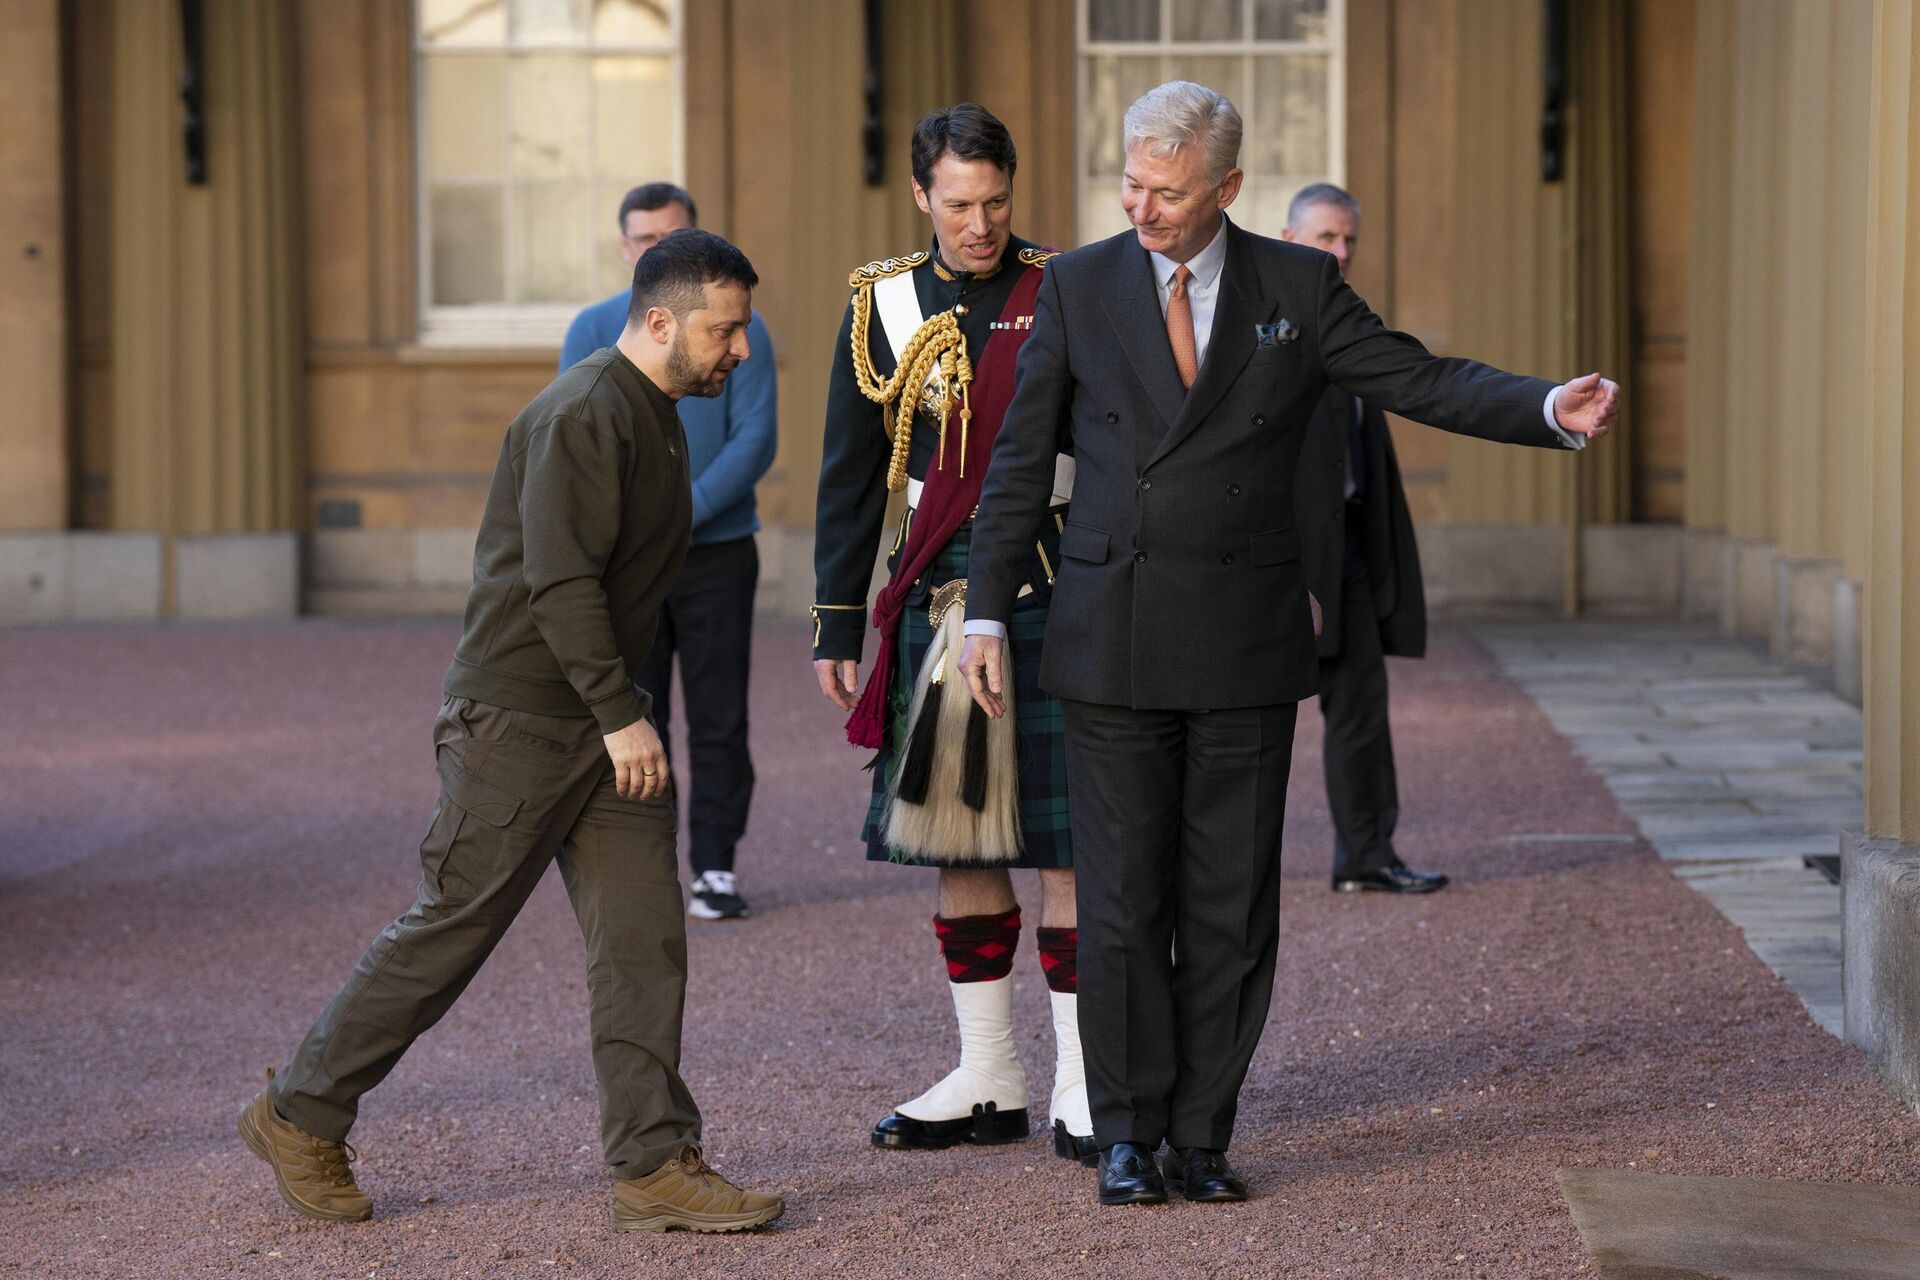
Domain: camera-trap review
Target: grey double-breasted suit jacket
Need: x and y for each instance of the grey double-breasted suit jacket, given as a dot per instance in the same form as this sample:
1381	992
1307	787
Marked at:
1181	584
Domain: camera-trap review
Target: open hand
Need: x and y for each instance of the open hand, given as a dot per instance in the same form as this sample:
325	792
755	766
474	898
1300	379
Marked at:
980	660
839	681
1586	406
639	763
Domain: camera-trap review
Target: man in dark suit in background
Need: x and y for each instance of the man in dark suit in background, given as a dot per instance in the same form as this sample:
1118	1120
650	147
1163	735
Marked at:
1356	539
1183	360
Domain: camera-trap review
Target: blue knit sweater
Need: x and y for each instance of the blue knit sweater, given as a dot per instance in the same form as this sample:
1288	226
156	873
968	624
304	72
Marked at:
730	438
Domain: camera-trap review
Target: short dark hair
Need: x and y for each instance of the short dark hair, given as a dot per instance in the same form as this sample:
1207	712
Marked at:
656	195
675	273
969	131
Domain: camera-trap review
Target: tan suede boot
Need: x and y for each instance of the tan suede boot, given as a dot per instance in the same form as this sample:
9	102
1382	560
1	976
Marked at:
685	1193
315	1176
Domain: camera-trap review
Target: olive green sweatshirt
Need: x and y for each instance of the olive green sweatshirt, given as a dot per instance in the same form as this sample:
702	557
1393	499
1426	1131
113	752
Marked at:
585	529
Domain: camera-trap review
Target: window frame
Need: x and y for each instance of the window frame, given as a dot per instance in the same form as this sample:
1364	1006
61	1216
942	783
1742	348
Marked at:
1087	185
516	324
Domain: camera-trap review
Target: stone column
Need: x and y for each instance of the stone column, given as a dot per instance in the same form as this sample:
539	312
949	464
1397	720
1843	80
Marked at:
1540	268
34	482
1881	879
1709	284
206	335
1893	418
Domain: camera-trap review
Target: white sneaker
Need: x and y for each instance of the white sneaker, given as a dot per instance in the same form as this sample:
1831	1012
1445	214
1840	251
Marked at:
715	896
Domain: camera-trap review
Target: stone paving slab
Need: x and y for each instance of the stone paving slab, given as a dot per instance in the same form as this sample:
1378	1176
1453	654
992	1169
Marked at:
1732	767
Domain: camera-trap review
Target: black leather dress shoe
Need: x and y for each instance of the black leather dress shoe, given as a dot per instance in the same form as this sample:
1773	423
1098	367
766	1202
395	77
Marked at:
1128	1175
1200	1174
988	1124
1068	1147
1398	878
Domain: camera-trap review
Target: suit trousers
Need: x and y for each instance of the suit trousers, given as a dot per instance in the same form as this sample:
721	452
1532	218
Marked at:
708	622
1363	792
1176	831
518	791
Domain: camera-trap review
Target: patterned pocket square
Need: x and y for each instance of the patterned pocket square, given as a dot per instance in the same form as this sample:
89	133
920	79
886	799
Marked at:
1277	334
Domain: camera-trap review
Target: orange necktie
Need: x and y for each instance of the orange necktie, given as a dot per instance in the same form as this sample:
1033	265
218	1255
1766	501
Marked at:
1180	327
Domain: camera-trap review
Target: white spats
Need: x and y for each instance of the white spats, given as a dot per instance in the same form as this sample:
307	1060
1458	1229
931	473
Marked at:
989	1070
1069	1072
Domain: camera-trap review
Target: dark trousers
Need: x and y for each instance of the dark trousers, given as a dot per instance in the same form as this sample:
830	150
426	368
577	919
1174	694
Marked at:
1176	834
708	622
518	791
1363	790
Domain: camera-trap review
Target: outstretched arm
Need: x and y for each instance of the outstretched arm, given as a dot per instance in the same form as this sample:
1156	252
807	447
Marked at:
1393	370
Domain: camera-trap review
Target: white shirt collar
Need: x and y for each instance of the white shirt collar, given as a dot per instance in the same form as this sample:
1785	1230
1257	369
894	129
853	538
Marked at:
1205	265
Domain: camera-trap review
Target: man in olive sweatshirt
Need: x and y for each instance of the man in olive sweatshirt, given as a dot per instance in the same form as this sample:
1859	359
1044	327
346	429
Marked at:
546	754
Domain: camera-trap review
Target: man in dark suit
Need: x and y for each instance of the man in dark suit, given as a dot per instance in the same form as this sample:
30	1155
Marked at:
1356	540
1183	360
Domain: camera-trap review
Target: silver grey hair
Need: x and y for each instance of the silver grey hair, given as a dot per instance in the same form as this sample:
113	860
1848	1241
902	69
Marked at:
1320	193
1180	114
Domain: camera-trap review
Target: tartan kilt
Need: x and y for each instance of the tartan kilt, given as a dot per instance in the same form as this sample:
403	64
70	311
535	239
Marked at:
1039	728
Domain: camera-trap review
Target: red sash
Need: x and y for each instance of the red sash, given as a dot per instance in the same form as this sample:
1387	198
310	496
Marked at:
946	503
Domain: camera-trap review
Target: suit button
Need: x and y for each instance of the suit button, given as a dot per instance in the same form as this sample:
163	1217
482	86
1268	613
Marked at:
1113	417
1139	557
1259	421
1145	484
1233	491
1227	558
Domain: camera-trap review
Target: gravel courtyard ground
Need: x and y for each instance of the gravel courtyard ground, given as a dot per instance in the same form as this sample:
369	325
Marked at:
200	827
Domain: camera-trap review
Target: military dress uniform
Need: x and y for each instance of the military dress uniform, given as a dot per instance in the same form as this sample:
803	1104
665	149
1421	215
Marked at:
964	330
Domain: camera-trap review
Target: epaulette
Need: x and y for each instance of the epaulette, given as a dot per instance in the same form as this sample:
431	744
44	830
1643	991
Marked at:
885	267
1037	257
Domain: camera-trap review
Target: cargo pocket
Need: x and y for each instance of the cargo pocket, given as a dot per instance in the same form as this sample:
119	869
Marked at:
470	846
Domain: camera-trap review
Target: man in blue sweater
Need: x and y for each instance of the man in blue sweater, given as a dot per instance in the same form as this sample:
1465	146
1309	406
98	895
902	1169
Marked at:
708	616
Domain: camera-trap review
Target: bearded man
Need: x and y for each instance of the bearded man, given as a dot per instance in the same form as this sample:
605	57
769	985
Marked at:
546	754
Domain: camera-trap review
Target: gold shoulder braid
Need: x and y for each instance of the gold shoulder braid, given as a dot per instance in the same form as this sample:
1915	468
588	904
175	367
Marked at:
936	346
1038	257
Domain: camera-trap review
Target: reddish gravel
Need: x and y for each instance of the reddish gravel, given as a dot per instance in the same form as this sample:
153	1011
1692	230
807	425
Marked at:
200	827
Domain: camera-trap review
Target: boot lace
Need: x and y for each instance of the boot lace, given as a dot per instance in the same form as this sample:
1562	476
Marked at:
331	1161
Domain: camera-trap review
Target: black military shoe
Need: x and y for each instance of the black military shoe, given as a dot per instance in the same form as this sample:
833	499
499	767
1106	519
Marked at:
1200	1174
986	1125
1128	1175
1396	878
1068	1147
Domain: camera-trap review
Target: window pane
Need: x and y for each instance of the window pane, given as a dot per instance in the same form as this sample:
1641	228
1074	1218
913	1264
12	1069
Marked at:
468	258
1290	20
1206	20
1112	85
633	21
635	121
464	105
457	22
1226	75
551	100
1123	19
1288	131
553	241
547	21
611	274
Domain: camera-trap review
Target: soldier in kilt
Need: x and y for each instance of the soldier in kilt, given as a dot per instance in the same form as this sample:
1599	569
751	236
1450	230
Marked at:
923	373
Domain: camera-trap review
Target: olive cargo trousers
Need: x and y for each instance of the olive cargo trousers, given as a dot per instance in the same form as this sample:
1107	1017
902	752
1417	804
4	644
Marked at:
517	791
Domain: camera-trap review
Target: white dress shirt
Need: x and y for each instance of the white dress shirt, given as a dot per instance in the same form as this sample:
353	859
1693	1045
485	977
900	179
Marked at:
1203	291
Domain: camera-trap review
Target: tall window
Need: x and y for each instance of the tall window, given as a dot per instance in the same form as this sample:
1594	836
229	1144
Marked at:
1278	60
535	117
